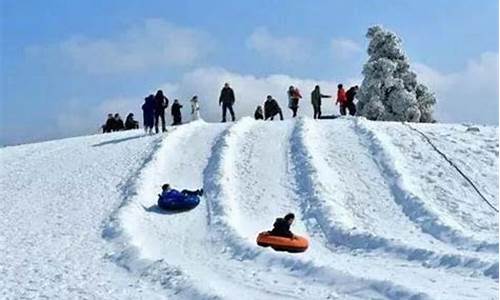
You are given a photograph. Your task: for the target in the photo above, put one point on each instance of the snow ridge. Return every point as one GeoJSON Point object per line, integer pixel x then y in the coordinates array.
{"type": "Point", "coordinates": [315, 195]}
{"type": "Point", "coordinates": [412, 205]}
{"type": "Point", "coordinates": [428, 140]}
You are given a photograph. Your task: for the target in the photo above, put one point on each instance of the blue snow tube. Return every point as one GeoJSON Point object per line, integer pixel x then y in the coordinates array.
{"type": "Point", "coordinates": [175, 200]}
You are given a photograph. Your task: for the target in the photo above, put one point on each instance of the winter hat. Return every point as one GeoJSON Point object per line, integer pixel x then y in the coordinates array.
{"type": "Point", "coordinates": [289, 216]}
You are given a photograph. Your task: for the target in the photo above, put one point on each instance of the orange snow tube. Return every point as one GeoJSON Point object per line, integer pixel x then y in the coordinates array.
{"type": "Point", "coordinates": [279, 243]}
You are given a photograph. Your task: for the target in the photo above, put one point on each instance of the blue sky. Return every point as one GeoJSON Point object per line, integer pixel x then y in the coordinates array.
{"type": "Point", "coordinates": [64, 63]}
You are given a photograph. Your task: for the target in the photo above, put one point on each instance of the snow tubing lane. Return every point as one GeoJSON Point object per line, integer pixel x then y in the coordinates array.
{"type": "Point", "coordinates": [279, 243]}
{"type": "Point", "coordinates": [186, 203]}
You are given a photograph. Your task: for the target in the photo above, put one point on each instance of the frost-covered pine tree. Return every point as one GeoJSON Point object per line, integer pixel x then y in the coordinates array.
{"type": "Point", "coordinates": [390, 91]}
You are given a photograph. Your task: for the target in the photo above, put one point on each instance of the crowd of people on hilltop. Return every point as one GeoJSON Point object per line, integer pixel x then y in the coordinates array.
{"type": "Point", "coordinates": [345, 100]}
{"type": "Point", "coordinates": [155, 105]}
{"type": "Point", "coordinates": [115, 123]}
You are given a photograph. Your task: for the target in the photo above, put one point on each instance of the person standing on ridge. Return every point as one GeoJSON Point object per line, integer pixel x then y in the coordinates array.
{"type": "Point", "coordinates": [176, 113]}
{"type": "Point", "coordinates": [148, 113]}
{"type": "Point", "coordinates": [195, 108]}
{"type": "Point", "coordinates": [161, 103]}
{"type": "Point", "coordinates": [350, 95]}
{"type": "Point", "coordinates": [293, 99]}
{"type": "Point", "coordinates": [316, 101]}
{"type": "Point", "coordinates": [227, 100]}
{"type": "Point", "coordinates": [341, 99]}
{"type": "Point", "coordinates": [271, 109]}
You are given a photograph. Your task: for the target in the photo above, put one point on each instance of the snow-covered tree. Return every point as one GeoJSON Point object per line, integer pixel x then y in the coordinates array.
{"type": "Point", "coordinates": [389, 90]}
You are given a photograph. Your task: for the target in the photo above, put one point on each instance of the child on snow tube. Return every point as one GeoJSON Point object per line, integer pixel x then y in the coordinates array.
{"type": "Point", "coordinates": [172, 199]}
{"type": "Point", "coordinates": [281, 238]}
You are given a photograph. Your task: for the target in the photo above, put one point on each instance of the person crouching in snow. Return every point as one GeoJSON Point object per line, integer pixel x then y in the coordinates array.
{"type": "Point", "coordinates": [282, 226]}
{"type": "Point", "coordinates": [271, 109]}
{"type": "Point", "coordinates": [195, 109]}
{"type": "Point", "coordinates": [168, 192]}
{"type": "Point", "coordinates": [130, 123]}
{"type": "Point", "coordinates": [258, 114]}
{"type": "Point", "coordinates": [118, 123]}
{"type": "Point", "coordinates": [110, 124]}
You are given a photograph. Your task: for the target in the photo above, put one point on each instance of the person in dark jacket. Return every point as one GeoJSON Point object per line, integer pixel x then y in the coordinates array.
{"type": "Point", "coordinates": [281, 226]}
{"type": "Point", "coordinates": [109, 125]}
{"type": "Point", "coordinates": [271, 109]}
{"type": "Point", "coordinates": [166, 189]}
{"type": "Point", "coordinates": [227, 99]}
{"type": "Point", "coordinates": [130, 123]}
{"type": "Point", "coordinates": [118, 123]}
{"type": "Point", "coordinates": [258, 115]}
{"type": "Point", "coordinates": [161, 103]}
{"type": "Point", "coordinates": [176, 113]}
{"type": "Point", "coordinates": [316, 101]}
{"type": "Point", "coordinates": [148, 113]}
{"type": "Point", "coordinates": [293, 99]}
{"type": "Point", "coordinates": [350, 95]}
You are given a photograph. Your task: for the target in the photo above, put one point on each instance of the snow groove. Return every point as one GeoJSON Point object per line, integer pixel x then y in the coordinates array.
{"type": "Point", "coordinates": [413, 206]}
{"type": "Point", "coordinates": [170, 278]}
{"type": "Point", "coordinates": [315, 203]}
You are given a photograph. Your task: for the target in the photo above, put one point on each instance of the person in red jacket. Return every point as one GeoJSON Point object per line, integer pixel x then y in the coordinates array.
{"type": "Point", "coordinates": [341, 99]}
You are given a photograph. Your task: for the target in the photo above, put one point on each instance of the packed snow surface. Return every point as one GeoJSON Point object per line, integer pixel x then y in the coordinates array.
{"type": "Point", "coordinates": [387, 217]}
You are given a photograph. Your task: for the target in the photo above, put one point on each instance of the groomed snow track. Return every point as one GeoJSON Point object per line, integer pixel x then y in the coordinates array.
{"type": "Point", "coordinates": [373, 199]}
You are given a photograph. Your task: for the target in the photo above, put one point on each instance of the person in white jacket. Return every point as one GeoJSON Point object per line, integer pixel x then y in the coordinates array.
{"type": "Point", "coordinates": [195, 109]}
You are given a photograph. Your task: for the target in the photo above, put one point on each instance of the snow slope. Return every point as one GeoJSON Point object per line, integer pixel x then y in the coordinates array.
{"type": "Point", "coordinates": [387, 217]}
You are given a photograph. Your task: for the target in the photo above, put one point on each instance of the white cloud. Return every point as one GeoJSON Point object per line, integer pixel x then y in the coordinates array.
{"type": "Point", "coordinates": [286, 49]}
{"type": "Point", "coordinates": [152, 43]}
{"type": "Point", "coordinates": [470, 95]}
{"type": "Point", "coordinates": [345, 48]}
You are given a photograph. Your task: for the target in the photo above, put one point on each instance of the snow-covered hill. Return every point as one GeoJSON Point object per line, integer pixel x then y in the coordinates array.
{"type": "Point", "coordinates": [386, 215]}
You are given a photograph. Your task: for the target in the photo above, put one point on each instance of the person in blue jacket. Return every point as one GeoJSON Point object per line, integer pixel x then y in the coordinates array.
{"type": "Point", "coordinates": [148, 110]}
{"type": "Point", "coordinates": [168, 192]}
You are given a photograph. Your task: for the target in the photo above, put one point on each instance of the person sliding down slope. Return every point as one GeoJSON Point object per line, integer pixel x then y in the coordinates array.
{"type": "Point", "coordinates": [281, 238]}
{"type": "Point", "coordinates": [168, 192]}
{"type": "Point", "coordinates": [282, 226]}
